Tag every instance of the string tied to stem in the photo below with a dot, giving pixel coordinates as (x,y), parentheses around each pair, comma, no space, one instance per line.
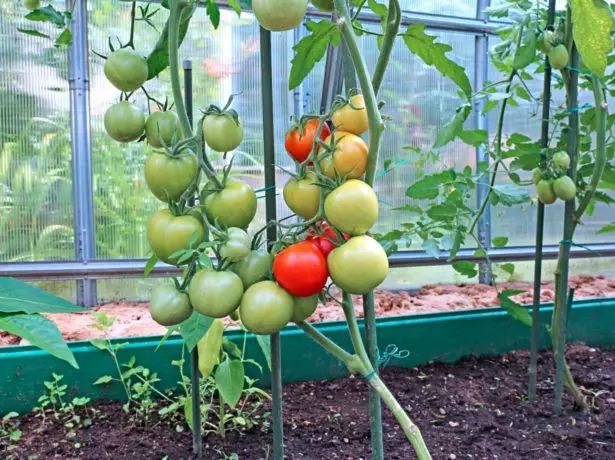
(582,246)
(391,351)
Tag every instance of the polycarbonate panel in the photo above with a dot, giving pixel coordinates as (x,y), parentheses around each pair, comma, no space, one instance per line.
(35,143)
(457,8)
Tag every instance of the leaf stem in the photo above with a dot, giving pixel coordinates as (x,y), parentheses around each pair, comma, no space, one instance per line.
(393,23)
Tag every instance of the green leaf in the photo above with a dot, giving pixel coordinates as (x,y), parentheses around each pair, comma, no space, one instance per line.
(151,263)
(33,32)
(443,212)
(609,228)
(214,13)
(432,248)
(47,14)
(194,328)
(499,241)
(429,186)
(311,49)
(158,59)
(466,268)
(40,332)
(264,341)
(229,380)
(592,24)
(17,296)
(453,127)
(434,54)
(526,53)
(231,348)
(513,308)
(509,195)
(101,344)
(236,6)
(65,38)
(508,268)
(474,138)
(102,380)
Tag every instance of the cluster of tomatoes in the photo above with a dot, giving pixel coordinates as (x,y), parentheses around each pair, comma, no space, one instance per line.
(551,45)
(552,182)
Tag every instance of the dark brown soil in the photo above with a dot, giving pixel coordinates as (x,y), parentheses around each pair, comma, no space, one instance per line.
(475,409)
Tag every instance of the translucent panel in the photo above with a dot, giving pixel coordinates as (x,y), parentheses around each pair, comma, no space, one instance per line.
(64,289)
(459,8)
(35,144)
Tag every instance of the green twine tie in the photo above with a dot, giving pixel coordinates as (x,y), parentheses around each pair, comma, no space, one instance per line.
(390,352)
(582,246)
(579,108)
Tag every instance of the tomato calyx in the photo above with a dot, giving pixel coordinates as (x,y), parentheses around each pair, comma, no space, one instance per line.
(326,238)
(226,111)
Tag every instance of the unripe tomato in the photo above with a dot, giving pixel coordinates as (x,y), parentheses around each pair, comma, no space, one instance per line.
(233,206)
(359,265)
(299,143)
(352,207)
(279,15)
(168,306)
(545,191)
(301,269)
(564,188)
(238,245)
(167,234)
(266,308)
(558,57)
(326,241)
(162,126)
(546,40)
(536,175)
(32,4)
(169,177)
(302,196)
(124,122)
(255,267)
(348,160)
(126,69)
(215,294)
(352,117)
(304,308)
(561,159)
(222,133)
(324,5)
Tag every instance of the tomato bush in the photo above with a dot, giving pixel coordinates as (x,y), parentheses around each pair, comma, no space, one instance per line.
(302,196)
(222,132)
(124,122)
(168,234)
(352,207)
(255,267)
(161,127)
(168,306)
(300,140)
(352,116)
(215,294)
(348,158)
(233,206)
(169,177)
(266,308)
(237,247)
(279,15)
(126,69)
(301,269)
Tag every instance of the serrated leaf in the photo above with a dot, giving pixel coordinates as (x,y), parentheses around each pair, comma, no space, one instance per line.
(230,380)
(592,24)
(513,308)
(17,296)
(47,14)
(434,54)
(453,127)
(499,241)
(311,49)
(466,268)
(194,328)
(429,186)
(264,342)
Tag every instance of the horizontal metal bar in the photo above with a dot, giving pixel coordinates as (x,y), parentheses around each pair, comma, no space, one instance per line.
(133,268)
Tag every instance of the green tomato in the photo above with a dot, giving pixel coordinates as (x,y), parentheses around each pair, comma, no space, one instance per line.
(168,306)
(32,4)
(255,267)
(546,40)
(304,308)
(564,188)
(266,308)
(233,206)
(536,175)
(558,57)
(237,247)
(545,191)
(126,70)
(124,122)
(359,265)
(169,177)
(302,196)
(215,294)
(324,5)
(222,133)
(561,159)
(352,207)
(279,15)
(162,127)
(167,234)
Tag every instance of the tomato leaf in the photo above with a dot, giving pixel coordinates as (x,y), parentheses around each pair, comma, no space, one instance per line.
(311,49)
(65,38)
(432,248)
(609,228)
(525,54)
(264,342)
(158,59)
(149,266)
(429,186)
(592,24)
(509,195)
(236,6)
(466,268)
(508,268)
(19,297)
(47,14)
(499,241)
(214,13)
(40,332)
(434,54)
(33,32)
(194,328)
(474,138)
(513,308)
(230,380)
(453,127)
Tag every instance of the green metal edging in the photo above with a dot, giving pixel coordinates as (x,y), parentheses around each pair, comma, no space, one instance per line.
(444,337)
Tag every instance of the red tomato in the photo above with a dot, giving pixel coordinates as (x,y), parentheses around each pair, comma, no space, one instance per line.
(325,240)
(301,269)
(299,142)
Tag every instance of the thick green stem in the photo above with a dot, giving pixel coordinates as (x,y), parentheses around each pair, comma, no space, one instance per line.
(328,344)
(390,34)
(221,428)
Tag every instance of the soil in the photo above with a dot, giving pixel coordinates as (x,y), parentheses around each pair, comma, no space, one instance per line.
(133,319)
(474,409)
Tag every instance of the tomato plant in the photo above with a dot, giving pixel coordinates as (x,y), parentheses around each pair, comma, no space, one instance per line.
(299,139)
(237,246)
(266,308)
(124,122)
(351,116)
(255,267)
(301,269)
(126,70)
(161,128)
(168,177)
(302,195)
(168,306)
(352,207)
(347,158)
(168,234)
(215,294)
(223,131)
(279,15)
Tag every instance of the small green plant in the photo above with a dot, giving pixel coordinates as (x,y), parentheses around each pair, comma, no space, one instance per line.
(10,434)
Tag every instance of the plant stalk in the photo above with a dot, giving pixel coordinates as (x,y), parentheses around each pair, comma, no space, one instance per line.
(390,34)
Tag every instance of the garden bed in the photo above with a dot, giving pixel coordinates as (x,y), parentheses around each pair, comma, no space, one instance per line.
(133,319)
(472,409)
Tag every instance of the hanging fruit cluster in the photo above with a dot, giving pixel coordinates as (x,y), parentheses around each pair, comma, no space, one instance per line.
(552,45)
(551,180)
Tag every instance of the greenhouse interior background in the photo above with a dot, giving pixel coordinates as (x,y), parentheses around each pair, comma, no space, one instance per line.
(74,203)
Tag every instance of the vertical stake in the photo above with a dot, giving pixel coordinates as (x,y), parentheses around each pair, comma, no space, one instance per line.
(197,443)
(271,214)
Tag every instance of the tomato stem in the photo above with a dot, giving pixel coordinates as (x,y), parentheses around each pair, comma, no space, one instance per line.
(393,23)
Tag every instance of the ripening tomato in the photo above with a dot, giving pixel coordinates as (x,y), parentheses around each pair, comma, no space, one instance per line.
(545,191)
(161,128)
(266,308)
(233,206)
(215,294)
(168,306)
(352,207)
(564,188)
(558,57)
(167,234)
(279,15)
(169,177)
(352,117)
(124,122)
(561,159)
(304,308)
(325,240)
(359,265)
(299,143)
(301,269)
(126,69)
(348,159)
(302,196)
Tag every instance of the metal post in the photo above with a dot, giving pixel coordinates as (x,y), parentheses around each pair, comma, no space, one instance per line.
(83,199)
(271,204)
(481,75)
